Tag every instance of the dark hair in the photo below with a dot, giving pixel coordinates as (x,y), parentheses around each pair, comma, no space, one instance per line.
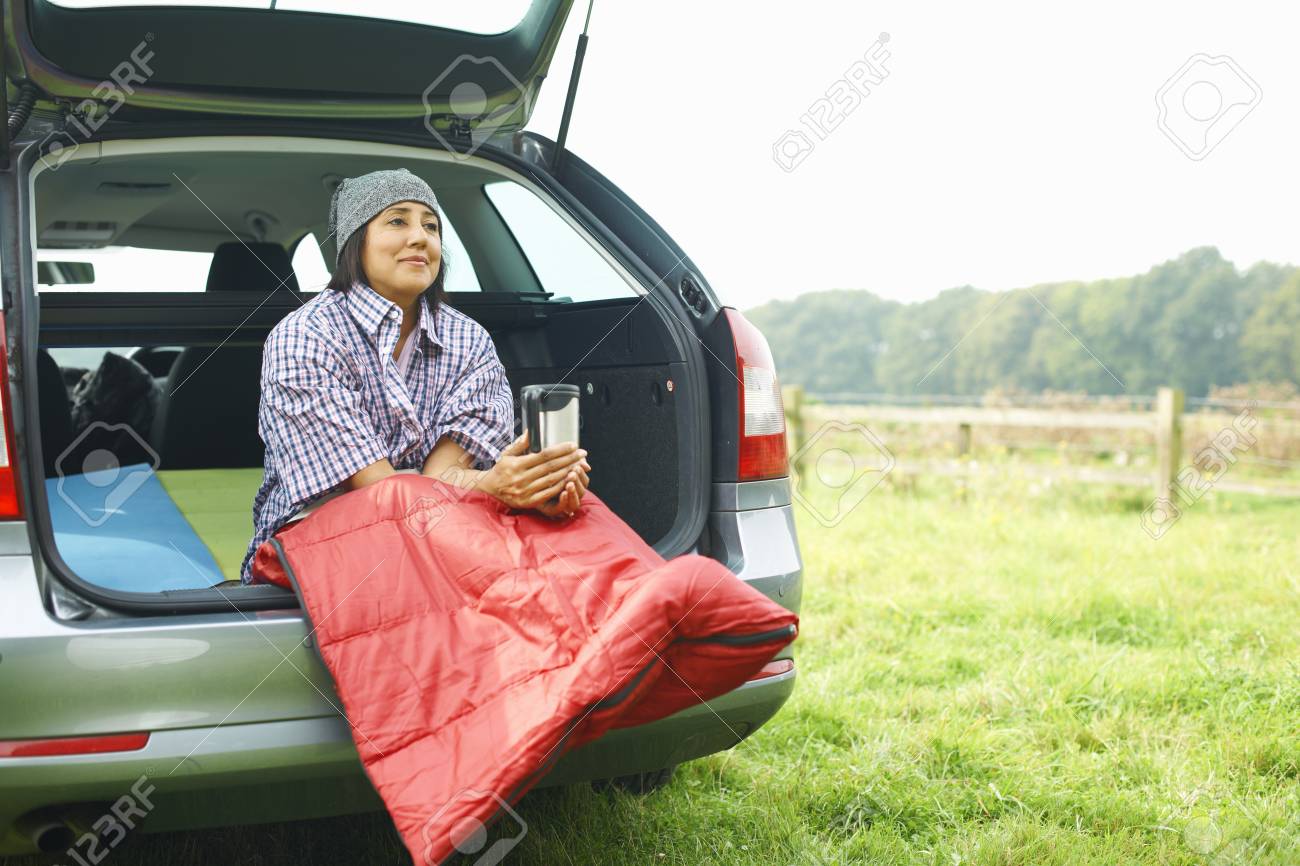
(349,269)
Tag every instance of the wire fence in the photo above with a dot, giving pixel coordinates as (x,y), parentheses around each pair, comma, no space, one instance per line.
(1133,402)
(1158,440)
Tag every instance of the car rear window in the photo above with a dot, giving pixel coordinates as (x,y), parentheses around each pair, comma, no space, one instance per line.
(313,274)
(140,269)
(484,16)
(133,269)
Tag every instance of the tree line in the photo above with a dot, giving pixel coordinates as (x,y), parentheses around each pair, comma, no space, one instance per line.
(1194,322)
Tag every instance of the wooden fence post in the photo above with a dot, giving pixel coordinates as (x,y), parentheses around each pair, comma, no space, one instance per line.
(792,398)
(963,440)
(1169,439)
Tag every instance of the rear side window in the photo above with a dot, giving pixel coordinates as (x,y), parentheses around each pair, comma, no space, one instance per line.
(563,260)
(460,274)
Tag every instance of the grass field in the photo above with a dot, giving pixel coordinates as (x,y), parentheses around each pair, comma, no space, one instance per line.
(991,676)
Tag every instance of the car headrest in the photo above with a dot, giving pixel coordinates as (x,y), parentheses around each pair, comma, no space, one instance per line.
(252,267)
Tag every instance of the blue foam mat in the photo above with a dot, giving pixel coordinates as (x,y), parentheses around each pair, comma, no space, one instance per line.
(118,528)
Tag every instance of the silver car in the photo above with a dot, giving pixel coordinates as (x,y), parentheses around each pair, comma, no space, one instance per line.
(165,203)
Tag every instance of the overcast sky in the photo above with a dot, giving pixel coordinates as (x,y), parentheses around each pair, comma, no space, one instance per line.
(1009,144)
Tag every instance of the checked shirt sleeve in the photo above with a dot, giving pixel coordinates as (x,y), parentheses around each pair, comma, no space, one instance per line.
(479,413)
(313,420)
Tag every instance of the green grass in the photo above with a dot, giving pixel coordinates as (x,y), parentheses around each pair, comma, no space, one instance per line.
(997,675)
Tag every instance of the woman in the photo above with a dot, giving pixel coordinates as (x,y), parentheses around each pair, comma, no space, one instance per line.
(377,375)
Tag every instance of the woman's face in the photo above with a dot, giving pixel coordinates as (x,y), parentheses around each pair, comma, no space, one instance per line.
(403,250)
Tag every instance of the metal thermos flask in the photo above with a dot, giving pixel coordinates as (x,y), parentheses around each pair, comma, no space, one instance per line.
(550,414)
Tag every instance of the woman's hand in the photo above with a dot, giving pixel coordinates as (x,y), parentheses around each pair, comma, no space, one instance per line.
(570,499)
(567,503)
(551,481)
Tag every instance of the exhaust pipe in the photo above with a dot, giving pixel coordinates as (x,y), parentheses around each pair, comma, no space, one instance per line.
(47,831)
(55,829)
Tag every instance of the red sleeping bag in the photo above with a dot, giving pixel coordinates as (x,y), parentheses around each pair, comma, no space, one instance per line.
(472,644)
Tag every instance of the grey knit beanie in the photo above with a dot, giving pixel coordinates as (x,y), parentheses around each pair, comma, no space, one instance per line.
(357,199)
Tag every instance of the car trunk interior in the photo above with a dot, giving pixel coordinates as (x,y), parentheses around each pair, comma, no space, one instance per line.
(151,461)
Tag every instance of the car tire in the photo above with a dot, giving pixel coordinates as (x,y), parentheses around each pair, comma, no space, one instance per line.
(637,783)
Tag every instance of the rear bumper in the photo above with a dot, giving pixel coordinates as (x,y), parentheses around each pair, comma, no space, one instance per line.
(254,773)
(703,729)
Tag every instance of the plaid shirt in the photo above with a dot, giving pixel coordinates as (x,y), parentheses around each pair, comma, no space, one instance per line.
(335,401)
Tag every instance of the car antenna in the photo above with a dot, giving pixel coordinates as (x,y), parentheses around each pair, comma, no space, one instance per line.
(580,53)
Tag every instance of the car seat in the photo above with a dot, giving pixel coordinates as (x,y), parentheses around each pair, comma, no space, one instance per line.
(208,416)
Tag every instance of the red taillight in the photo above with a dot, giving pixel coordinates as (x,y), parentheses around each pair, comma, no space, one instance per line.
(763,451)
(10,507)
(73,745)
